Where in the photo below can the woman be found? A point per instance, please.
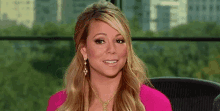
(106, 74)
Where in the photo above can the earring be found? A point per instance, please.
(85, 70)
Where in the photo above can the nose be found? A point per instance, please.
(111, 48)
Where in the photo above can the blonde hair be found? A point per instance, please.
(133, 73)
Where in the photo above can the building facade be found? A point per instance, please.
(166, 14)
(46, 11)
(140, 9)
(169, 14)
(29, 11)
(21, 11)
(72, 8)
(163, 17)
(152, 15)
(203, 10)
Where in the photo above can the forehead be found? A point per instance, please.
(101, 26)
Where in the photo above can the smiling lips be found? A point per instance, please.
(111, 63)
(111, 60)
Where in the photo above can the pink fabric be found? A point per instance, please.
(152, 99)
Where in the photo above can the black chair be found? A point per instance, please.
(216, 103)
(188, 94)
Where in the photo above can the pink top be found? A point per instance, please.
(152, 99)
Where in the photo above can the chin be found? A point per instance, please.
(111, 75)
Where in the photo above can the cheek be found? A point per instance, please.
(123, 52)
(95, 52)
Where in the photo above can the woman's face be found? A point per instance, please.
(105, 43)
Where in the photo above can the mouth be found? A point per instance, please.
(111, 63)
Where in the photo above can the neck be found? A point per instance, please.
(105, 87)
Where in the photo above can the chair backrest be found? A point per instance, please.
(188, 94)
(216, 104)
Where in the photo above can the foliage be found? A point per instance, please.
(24, 88)
(17, 30)
(7, 23)
(135, 27)
(36, 29)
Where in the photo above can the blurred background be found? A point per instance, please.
(31, 71)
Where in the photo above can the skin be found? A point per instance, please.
(108, 44)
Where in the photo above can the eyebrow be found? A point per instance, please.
(104, 34)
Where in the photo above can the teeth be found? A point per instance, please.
(110, 61)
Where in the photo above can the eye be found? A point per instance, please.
(98, 41)
(122, 41)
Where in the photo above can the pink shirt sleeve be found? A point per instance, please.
(56, 100)
(154, 100)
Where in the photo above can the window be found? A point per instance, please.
(42, 19)
(148, 13)
(197, 17)
(190, 18)
(211, 7)
(146, 22)
(204, 7)
(38, 5)
(166, 15)
(204, 18)
(197, 8)
(190, 8)
(46, 10)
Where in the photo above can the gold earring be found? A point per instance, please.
(85, 70)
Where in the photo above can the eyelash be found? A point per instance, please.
(103, 40)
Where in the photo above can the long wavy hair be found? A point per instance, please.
(76, 84)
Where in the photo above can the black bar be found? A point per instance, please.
(63, 38)
(121, 4)
(113, 2)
